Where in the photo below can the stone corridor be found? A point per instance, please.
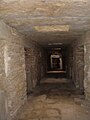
(45, 59)
(54, 99)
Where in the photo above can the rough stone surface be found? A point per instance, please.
(87, 71)
(78, 67)
(15, 75)
(12, 68)
(35, 66)
(3, 106)
(75, 60)
(24, 15)
(56, 105)
(2, 68)
(80, 51)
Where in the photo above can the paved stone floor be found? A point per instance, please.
(54, 99)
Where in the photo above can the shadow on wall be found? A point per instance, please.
(35, 66)
(75, 55)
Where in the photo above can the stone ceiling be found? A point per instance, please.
(25, 15)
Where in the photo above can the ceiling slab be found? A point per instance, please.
(24, 15)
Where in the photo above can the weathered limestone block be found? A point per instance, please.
(85, 42)
(12, 68)
(3, 106)
(35, 63)
(87, 71)
(16, 78)
(77, 65)
(2, 69)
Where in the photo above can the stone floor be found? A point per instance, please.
(54, 99)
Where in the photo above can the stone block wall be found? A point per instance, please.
(87, 71)
(81, 64)
(35, 66)
(3, 106)
(2, 66)
(69, 56)
(15, 75)
(13, 57)
(76, 65)
(12, 68)
(86, 41)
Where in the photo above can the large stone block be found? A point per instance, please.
(35, 61)
(12, 68)
(3, 106)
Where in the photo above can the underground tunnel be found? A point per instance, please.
(44, 60)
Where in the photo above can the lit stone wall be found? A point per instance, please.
(12, 68)
(15, 75)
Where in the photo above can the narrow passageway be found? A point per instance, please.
(54, 99)
(45, 59)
